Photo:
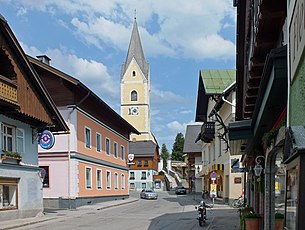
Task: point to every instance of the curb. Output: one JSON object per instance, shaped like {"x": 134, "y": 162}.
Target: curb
{"x": 114, "y": 205}
{"x": 27, "y": 223}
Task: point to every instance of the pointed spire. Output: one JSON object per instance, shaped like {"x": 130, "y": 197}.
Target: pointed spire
{"x": 135, "y": 51}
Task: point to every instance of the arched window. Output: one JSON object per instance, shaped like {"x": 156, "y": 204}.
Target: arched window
{"x": 134, "y": 73}
{"x": 134, "y": 95}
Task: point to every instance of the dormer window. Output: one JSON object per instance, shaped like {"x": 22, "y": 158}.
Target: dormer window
{"x": 134, "y": 73}
{"x": 134, "y": 95}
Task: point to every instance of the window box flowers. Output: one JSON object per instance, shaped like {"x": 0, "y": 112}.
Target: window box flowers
{"x": 10, "y": 157}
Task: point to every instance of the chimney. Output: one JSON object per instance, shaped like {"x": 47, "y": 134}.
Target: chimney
{"x": 44, "y": 59}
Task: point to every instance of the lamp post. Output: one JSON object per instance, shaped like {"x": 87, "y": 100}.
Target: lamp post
{"x": 258, "y": 169}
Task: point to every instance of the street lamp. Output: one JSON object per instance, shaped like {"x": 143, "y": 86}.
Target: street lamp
{"x": 258, "y": 169}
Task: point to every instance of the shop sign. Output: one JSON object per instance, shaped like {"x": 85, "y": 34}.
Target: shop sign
{"x": 237, "y": 180}
{"x": 46, "y": 139}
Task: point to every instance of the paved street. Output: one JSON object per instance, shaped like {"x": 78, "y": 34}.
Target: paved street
{"x": 169, "y": 212}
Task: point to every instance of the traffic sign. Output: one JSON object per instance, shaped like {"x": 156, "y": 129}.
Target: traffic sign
{"x": 213, "y": 175}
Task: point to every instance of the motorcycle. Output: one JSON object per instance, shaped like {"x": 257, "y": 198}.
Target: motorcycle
{"x": 202, "y": 213}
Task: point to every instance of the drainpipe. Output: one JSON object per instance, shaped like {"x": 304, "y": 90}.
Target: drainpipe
{"x": 69, "y": 149}
{"x": 230, "y": 103}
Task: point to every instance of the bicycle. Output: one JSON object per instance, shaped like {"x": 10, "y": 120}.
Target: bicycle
{"x": 239, "y": 202}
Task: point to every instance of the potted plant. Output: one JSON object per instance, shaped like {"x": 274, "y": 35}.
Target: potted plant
{"x": 279, "y": 221}
{"x": 243, "y": 212}
{"x": 10, "y": 157}
{"x": 252, "y": 220}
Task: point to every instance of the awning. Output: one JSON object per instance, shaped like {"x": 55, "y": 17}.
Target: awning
{"x": 239, "y": 134}
{"x": 218, "y": 167}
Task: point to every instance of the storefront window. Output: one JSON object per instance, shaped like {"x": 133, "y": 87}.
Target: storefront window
{"x": 279, "y": 184}
{"x": 8, "y": 194}
{"x": 291, "y": 203}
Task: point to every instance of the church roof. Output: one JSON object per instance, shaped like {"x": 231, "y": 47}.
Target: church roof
{"x": 135, "y": 51}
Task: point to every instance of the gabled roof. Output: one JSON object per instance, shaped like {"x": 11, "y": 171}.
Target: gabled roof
{"x": 56, "y": 123}
{"x": 211, "y": 83}
{"x": 216, "y": 81}
{"x": 142, "y": 148}
{"x": 135, "y": 51}
{"x": 105, "y": 112}
{"x": 191, "y": 135}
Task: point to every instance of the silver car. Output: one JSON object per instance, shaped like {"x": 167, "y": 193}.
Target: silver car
{"x": 148, "y": 194}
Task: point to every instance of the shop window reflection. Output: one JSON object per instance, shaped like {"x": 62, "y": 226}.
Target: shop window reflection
{"x": 291, "y": 203}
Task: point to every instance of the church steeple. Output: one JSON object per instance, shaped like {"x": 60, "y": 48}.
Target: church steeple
{"x": 135, "y": 88}
{"x": 135, "y": 51}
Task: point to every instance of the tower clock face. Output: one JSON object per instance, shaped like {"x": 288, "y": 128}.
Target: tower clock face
{"x": 133, "y": 110}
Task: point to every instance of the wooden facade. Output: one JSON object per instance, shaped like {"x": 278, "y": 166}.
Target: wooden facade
{"x": 26, "y": 109}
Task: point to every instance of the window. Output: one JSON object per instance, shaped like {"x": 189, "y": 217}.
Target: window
{"x": 88, "y": 178}
{"x": 115, "y": 149}
{"x": 107, "y": 146}
{"x": 98, "y": 142}
{"x": 143, "y": 185}
{"x": 134, "y": 95}
{"x": 139, "y": 163}
{"x": 134, "y": 73}
{"x": 20, "y": 140}
{"x": 8, "y": 194}
{"x": 145, "y": 163}
{"x": 116, "y": 181}
{"x": 131, "y": 176}
{"x": 123, "y": 181}
{"x": 132, "y": 186}
{"x": 99, "y": 178}
{"x": 8, "y": 137}
{"x": 12, "y": 138}
{"x": 108, "y": 180}
{"x": 87, "y": 137}
{"x": 45, "y": 181}
{"x": 122, "y": 152}
{"x": 143, "y": 177}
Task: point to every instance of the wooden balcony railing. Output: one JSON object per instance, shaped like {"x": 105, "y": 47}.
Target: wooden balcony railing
{"x": 8, "y": 90}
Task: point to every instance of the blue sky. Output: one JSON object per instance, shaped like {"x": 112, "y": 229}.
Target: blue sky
{"x": 88, "y": 39}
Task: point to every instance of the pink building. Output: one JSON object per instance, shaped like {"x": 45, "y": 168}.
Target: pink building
{"x": 89, "y": 165}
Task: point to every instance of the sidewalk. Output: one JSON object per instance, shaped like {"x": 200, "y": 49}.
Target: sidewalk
{"x": 51, "y": 214}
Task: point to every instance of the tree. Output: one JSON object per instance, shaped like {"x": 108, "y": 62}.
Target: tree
{"x": 164, "y": 155}
{"x": 177, "y": 151}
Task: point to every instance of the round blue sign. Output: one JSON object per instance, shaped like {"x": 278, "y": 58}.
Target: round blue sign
{"x": 213, "y": 175}
{"x": 46, "y": 139}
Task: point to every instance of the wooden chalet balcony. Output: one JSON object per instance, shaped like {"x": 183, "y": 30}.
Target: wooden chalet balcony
{"x": 8, "y": 90}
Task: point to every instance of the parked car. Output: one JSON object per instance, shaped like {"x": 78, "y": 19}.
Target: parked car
{"x": 148, "y": 194}
{"x": 180, "y": 190}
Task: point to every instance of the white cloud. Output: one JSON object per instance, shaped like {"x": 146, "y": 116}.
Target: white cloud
{"x": 188, "y": 29}
{"x": 176, "y": 126}
{"x": 91, "y": 73}
{"x": 165, "y": 97}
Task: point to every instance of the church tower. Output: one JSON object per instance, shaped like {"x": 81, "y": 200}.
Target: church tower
{"x": 135, "y": 88}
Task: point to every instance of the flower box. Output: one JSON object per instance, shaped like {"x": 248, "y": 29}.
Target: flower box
{"x": 10, "y": 157}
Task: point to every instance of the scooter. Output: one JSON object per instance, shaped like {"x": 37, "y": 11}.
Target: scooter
{"x": 202, "y": 213}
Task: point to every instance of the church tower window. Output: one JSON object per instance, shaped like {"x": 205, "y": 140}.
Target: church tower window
{"x": 134, "y": 73}
{"x": 134, "y": 95}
